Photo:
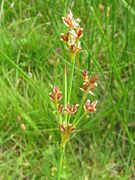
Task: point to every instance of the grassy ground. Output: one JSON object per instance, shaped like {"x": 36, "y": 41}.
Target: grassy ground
{"x": 32, "y": 58}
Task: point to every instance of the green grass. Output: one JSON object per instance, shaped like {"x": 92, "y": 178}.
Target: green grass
{"x": 103, "y": 146}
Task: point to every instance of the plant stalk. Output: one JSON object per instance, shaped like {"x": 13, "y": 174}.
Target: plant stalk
{"x": 65, "y": 74}
{"x": 71, "y": 77}
{"x": 62, "y": 150}
{"x": 81, "y": 106}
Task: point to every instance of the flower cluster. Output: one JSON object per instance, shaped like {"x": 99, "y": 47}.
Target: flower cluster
{"x": 89, "y": 84}
{"x": 72, "y": 37}
{"x": 67, "y": 121}
{"x": 56, "y": 96}
{"x": 71, "y": 109}
{"x": 90, "y": 107}
{"x": 72, "y": 40}
{"x": 64, "y": 127}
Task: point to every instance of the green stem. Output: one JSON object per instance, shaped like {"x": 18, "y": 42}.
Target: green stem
{"x": 77, "y": 122}
{"x": 60, "y": 162}
{"x": 1, "y": 10}
{"x": 81, "y": 106}
{"x": 71, "y": 77}
{"x": 70, "y": 81}
{"x": 65, "y": 86}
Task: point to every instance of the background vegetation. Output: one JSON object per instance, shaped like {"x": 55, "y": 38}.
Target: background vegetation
{"x": 32, "y": 58}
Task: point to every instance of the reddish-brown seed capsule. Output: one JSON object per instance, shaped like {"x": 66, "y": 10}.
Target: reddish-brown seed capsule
{"x": 63, "y": 127}
{"x": 90, "y": 107}
{"x": 72, "y": 109}
{"x": 93, "y": 82}
{"x": 79, "y": 32}
{"x": 94, "y": 78}
{"x": 85, "y": 75}
{"x": 56, "y": 94}
{"x": 69, "y": 20}
{"x": 66, "y": 128}
{"x": 64, "y": 37}
{"x": 60, "y": 108}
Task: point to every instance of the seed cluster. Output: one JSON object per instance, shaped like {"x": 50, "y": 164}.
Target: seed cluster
{"x": 75, "y": 32}
{"x": 89, "y": 83}
{"x": 56, "y": 96}
{"x": 72, "y": 40}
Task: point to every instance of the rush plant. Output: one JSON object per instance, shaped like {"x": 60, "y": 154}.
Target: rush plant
{"x": 69, "y": 115}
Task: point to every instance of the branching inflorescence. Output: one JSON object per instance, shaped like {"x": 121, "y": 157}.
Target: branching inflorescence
{"x": 68, "y": 124}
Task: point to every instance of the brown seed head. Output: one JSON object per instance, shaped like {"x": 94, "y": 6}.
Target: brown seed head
{"x": 71, "y": 109}
{"x": 60, "y": 108}
{"x": 64, "y": 37}
{"x": 68, "y": 20}
{"x": 56, "y": 94}
{"x": 66, "y": 128}
{"x": 92, "y": 82}
{"x": 90, "y": 107}
{"x": 85, "y": 75}
{"x": 79, "y": 32}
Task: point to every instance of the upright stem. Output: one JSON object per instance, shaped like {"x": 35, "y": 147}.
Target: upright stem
{"x": 1, "y": 10}
{"x": 71, "y": 80}
{"x": 71, "y": 77}
{"x": 65, "y": 74}
{"x": 77, "y": 122}
{"x": 81, "y": 106}
{"x": 62, "y": 149}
